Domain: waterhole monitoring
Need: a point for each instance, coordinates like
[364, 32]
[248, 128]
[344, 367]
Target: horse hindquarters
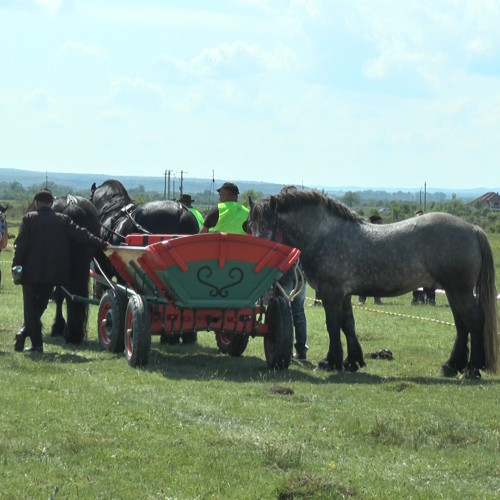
[487, 299]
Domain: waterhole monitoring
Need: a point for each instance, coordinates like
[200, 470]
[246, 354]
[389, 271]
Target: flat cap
[229, 186]
[45, 196]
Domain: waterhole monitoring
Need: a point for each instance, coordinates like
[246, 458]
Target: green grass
[80, 423]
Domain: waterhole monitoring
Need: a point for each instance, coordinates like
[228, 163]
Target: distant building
[491, 199]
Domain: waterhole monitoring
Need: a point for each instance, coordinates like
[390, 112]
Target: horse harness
[126, 212]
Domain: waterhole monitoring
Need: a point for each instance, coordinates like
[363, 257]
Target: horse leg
[77, 310]
[333, 360]
[76, 326]
[468, 318]
[354, 359]
[474, 320]
[59, 322]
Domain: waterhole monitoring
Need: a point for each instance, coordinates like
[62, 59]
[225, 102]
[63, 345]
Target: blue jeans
[297, 306]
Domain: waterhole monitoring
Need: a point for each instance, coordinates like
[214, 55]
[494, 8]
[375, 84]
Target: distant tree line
[394, 207]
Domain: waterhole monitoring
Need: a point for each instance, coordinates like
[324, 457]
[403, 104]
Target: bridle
[126, 212]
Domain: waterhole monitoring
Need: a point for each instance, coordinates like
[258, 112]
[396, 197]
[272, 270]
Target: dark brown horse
[74, 328]
[119, 216]
[436, 250]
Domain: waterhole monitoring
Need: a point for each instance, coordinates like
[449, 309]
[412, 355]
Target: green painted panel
[206, 285]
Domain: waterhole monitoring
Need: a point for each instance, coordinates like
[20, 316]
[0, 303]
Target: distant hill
[84, 181]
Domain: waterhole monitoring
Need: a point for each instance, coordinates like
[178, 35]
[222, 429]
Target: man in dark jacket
[42, 254]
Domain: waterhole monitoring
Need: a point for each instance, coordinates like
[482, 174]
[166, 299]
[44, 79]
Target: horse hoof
[471, 374]
[448, 371]
[351, 366]
[324, 364]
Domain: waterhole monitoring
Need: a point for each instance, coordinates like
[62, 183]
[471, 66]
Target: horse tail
[487, 299]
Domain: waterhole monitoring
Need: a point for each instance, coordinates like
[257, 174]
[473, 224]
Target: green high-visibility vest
[231, 217]
[198, 216]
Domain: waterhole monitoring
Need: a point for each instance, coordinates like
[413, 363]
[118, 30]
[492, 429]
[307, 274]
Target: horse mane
[290, 200]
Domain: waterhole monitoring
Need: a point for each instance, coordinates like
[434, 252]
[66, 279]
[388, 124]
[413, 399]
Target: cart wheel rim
[105, 324]
[129, 337]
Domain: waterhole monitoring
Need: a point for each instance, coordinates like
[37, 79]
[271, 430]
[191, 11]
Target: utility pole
[167, 175]
[181, 189]
[211, 190]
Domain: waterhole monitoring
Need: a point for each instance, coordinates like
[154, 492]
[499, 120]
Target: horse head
[263, 220]
[110, 196]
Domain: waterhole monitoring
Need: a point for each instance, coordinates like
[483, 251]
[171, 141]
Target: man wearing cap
[229, 215]
[187, 201]
[41, 261]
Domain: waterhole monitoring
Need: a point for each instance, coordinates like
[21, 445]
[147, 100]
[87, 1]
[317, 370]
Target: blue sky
[369, 93]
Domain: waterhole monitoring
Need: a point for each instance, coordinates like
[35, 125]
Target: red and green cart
[175, 285]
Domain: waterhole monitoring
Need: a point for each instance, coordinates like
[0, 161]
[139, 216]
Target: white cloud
[80, 48]
[478, 47]
[235, 60]
[53, 122]
[39, 99]
[137, 93]
[52, 6]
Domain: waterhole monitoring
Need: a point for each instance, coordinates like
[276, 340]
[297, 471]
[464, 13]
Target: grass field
[80, 423]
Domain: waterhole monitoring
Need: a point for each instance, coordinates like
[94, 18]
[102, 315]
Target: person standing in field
[4, 233]
[293, 282]
[229, 215]
[41, 261]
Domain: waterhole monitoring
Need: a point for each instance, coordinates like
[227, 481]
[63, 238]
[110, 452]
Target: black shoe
[301, 356]
[19, 344]
[33, 348]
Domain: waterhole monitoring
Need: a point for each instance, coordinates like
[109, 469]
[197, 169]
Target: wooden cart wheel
[137, 331]
[110, 321]
[278, 343]
[233, 344]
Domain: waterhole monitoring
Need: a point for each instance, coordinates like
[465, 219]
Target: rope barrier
[401, 315]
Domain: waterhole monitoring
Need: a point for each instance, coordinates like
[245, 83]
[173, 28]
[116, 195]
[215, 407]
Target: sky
[366, 93]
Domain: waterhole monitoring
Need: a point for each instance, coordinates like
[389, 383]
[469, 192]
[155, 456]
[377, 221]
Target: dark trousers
[35, 300]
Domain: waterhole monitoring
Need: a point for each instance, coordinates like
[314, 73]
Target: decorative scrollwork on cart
[205, 273]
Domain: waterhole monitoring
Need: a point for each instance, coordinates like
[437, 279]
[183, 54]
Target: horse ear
[93, 187]
[250, 202]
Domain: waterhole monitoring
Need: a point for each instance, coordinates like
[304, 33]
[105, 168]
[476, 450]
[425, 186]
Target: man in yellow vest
[187, 201]
[229, 215]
